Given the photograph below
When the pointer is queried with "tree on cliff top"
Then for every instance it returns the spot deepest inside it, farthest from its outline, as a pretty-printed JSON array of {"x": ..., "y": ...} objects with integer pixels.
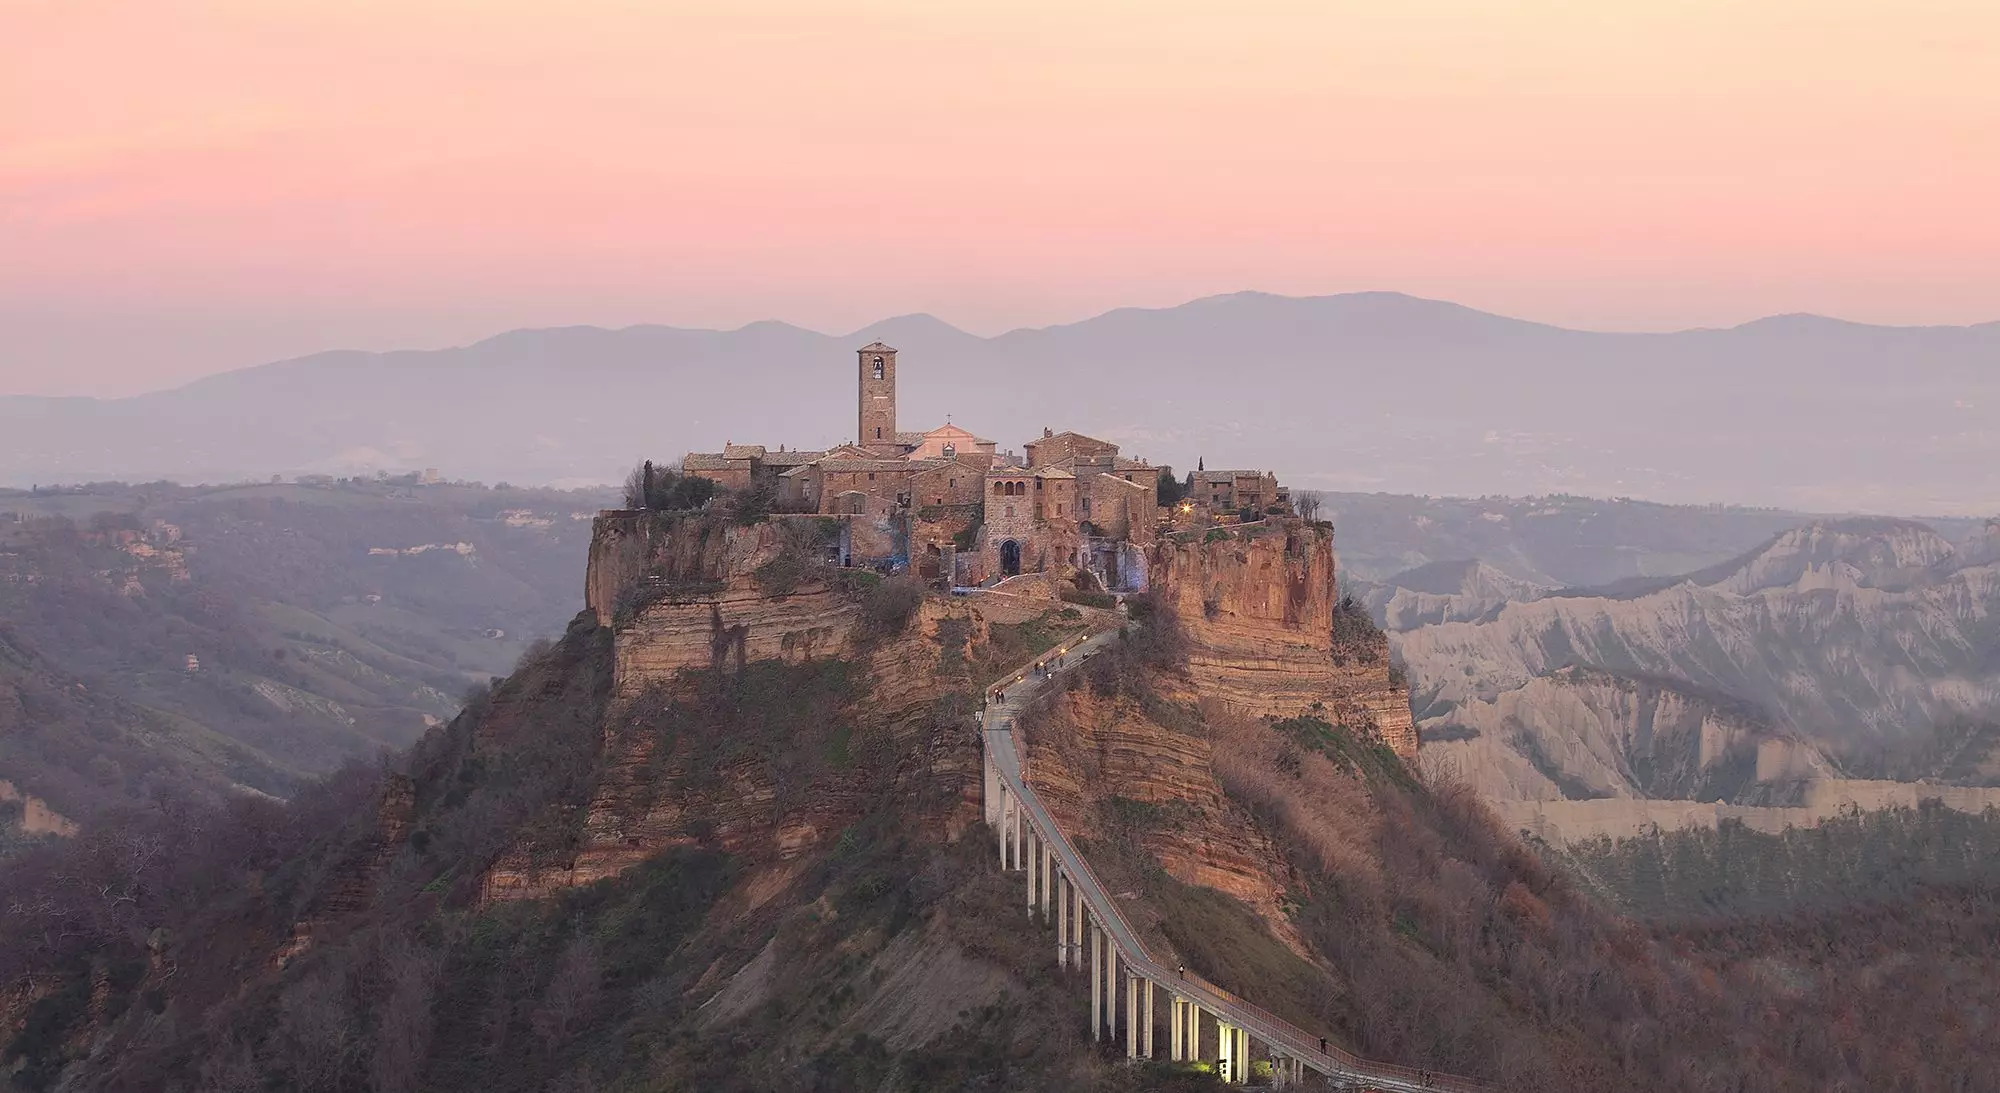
[{"x": 666, "y": 488}]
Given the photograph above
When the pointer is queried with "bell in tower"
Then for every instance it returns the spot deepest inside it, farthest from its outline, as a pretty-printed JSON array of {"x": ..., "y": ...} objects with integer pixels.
[{"x": 878, "y": 401}]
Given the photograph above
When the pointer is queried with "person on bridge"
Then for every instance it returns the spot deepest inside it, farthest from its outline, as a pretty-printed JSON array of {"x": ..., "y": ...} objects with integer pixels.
[{"x": 1322, "y": 1045}]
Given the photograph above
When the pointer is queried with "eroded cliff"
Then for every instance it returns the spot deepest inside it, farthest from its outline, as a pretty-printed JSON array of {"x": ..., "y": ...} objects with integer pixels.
[{"x": 1268, "y": 635}]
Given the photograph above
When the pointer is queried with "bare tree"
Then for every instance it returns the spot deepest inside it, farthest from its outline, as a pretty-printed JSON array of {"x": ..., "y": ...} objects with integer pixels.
[
  {"x": 571, "y": 993},
  {"x": 315, "y": 1031},
  {"x": 404, "y": 1023},
  {"x": 1308, "y": 504}
]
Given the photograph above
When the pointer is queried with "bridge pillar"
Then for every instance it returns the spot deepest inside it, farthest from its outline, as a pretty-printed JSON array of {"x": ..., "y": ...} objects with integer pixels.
[
  {"x": 1000, "y": 827},
  {"x": 1029, "y": 861},
  {"x": 1146, "y": 1020},
  {"x": 1062, "y": 922},
  {"x": 1227, "y": 1065},
  {"x": 1096, "y": 984},
  {"x": 1014, "y": 830},
  {"x": 1131, "y": 1016},
  {"x": 1048, "y": 870},
  {"x": 1194, "y": 1031},
  {"x": 1077, "y": 921},
  {"x": 1176, "y": 1024}
]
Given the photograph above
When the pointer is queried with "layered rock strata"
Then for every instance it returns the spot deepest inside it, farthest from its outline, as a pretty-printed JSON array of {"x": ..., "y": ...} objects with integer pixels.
[{"x": 1258, "y": 610}]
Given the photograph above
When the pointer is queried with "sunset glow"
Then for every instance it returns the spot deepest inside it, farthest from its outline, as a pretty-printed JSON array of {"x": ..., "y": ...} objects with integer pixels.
[{"x": 227, "y": 182}]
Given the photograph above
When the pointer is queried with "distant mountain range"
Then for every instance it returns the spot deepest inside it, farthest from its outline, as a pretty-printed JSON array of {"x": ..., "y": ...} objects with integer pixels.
[{"x": 1355, "y": 392}]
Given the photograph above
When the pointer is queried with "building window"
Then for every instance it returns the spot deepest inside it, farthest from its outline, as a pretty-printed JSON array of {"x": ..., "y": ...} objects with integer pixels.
[
  {"x": 878, "y": 368},
  {"x": 1010, "y": 510},
  {"x": 871, "y": 476},
  {"x": 1086, "y": 506},
  {"x": 951, "y": 451},
  {"x": 878, "y": 432}
]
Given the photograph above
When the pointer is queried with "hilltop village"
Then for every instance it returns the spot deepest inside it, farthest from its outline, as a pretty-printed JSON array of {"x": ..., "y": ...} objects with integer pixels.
[{"x": 952, "y": 506}]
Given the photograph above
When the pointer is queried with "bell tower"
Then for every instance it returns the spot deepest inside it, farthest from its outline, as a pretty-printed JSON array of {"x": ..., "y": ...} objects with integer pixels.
[{"x": 878, "y": 400}]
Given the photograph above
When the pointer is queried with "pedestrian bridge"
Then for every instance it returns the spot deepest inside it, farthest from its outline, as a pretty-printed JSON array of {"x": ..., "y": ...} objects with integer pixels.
[{"x": 1200, "y": 1021}]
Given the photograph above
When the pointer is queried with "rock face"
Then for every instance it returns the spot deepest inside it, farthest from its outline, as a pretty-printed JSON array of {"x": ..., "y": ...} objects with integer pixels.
[
  {"x": 1444, "y": 592},
  {"x": 1579, "y": 734},
  {"x": 1088, "y": 742},
  {"x": 1259, "y": 612},
  {"x": 695, "y": 592},
  {"x": 1747, "y": 681},
  {"x": 729, "y": 602}
]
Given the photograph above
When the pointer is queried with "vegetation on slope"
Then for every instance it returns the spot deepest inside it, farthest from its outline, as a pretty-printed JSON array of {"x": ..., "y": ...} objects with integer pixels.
[
  {"x": 1708, "y": 875},
  {"x": 340, "y": 941},
  {"x": 310, "y": 645}
]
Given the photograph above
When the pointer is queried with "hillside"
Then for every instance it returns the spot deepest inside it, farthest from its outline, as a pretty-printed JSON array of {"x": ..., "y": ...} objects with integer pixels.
[
  {"x": 263, "y": 635},
  {"x": 643, "y": 861},
  {"x": 1819, "y": 414}
]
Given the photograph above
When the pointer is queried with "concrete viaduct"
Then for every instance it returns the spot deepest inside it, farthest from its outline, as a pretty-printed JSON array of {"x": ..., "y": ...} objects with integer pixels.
[{"x": 1203, "y": 1022}]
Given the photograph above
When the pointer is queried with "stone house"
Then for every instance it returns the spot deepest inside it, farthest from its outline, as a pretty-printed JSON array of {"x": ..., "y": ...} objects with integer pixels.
[
  {"x": 949, "y": 487},
  {"x": 1227, "y": 491}
]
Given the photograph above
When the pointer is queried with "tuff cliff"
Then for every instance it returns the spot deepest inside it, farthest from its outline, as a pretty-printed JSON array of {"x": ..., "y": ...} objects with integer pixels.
[
  {"x": 1267, "y": 632},
  {"x": 1106, "y": 767},
  {"x": 720, "y": 630}
]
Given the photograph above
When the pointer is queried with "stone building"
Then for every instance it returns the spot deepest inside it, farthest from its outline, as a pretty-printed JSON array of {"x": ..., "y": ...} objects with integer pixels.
[
  {"x": 1228, "y": 491},
  {"x": 877, "y": 429},
  {"x": 1074, "y": 501}
]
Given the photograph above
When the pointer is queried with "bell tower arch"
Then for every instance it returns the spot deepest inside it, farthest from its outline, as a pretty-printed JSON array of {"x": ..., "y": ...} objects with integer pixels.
[{"x": 877, "y": 367}]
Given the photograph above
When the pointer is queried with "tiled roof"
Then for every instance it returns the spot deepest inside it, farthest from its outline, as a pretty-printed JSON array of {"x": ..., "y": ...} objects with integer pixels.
[
  {"x": 877, "y": 347},
  {"x": 792, "y": 459},
  {"x": 1052, "y": 472},
  {"x": 799, "y": 471},
  {"x": 838, "y": 465},
  {"x": 706, "y": 461},
  {"x": 1066, "y": 432},
  {"x": 743, "y": 451},
  {"x": 912, "y": 439},
  {"x": 1126, "y": 463},
  {"x": 1112, "y": 478}
]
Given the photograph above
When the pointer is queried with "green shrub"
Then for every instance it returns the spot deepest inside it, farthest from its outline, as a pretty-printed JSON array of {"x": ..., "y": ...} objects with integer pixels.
[
  {"x": 1216, "y": 535},
  {"x": 1088, "y": 599},
  {"x": 888, "y": 607}
]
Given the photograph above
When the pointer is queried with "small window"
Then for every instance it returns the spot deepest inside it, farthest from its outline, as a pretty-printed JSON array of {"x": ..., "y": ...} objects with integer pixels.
[
  {"x": 871, "y": 476},
  {"x": 951, "y": 451},
  {"x": 878, "y": 432},
  {"x": 1010, "y": 510}
]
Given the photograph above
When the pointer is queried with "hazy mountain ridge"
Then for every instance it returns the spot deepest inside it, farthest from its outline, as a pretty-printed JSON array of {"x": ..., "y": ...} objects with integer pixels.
[{"x": 1335, "y": 392}]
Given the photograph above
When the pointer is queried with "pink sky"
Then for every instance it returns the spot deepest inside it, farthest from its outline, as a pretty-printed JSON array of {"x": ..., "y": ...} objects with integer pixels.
[{"x": 187, "y": 187}]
